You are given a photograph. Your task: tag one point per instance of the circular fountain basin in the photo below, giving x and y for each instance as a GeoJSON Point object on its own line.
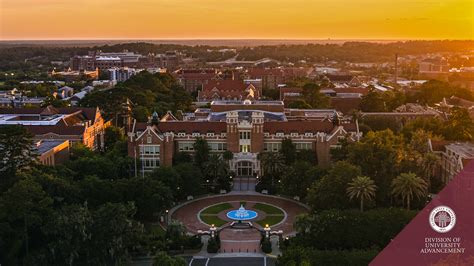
{"type": "Point", "coordinates": [242, 214]}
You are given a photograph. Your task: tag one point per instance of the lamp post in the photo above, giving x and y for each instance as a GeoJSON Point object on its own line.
{"type": "Point", "coordinates": [213, 230]}
{"type": "Point", "coordinates": [166, 217]}
{"type": "Point", "coordinates": [267, 230]}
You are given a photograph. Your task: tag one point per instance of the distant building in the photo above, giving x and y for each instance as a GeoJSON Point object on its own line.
{"type": "Point", "coordinates": [122, 74]}
{"type": "Point", "coordinates": [102, 60]}
{"type": "Point", "coordinates": [228, 89]}
{"type": "Point", "coordinates": [77, 125]}
{"type": "Point", "coordinates": [15, 99]}
{"type": "Point", "coordinates": [272, 77]}
{"type": "Point", "coordinates": [75, 75]}
{"type": "Point", "coordinates": [107, 62]}
{"type": "Point", "coordinates": [194, 79]}
{"type": "Point", "coordinates": [52, 152]}
{"type": "Point", "coordinates": [245, 128]}
{"type": "Point", "coordinates": [453, 157]}
{"type": "Point", "coordinates": [433, 65]}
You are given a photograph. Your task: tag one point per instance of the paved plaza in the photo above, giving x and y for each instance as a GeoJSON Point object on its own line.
{"type": "Point", "coordinates": [188, 214]}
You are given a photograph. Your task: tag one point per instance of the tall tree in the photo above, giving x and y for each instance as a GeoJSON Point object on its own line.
{"type": "Point", "coordinates": [313, 96]}
{"type": "Point", "coordinates": [362, 188]}
{"type": "Point", "coordinates": [288, 150]}
{"type": "Point", "coordinates": [201, 153]}
{"type": "Point", "coordinates": [408, 186]}
{"type": "Point", "coordinates": [216, 168]}
{"type": "Point", "coordinates": [272, 164]}
{"type": "Point", "coordinates": [330, 191]}
{"type": "Point", "coordinates": [16, 153]}
{"type": "Point", "coordinates": [25, 207]}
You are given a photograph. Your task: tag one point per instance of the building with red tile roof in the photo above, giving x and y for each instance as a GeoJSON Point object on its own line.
{"type": "Point", "coordinates": [245, 128]}
{"type": "Point", "coordinates": [228, 89]}
{"type": "Point", "coordinates": [77, 125]}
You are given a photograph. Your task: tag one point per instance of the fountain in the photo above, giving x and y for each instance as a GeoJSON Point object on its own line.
{"type": "Point", "coordinates": [242, 214]}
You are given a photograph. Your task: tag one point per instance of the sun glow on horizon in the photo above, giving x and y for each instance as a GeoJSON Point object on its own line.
{"type": "Point", "coordinates": [244, 19]}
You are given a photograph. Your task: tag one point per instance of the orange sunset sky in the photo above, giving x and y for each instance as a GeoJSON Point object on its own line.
{"type": "Point", "coordinates": [227, 19]}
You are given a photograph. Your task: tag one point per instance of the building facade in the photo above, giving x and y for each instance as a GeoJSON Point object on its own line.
{"type": "Point", "coordinates": [245, 128]}
{"type": "Point", "coordinates": [77, 125]}
{"type": "Point", "coordinates": [453, 156]}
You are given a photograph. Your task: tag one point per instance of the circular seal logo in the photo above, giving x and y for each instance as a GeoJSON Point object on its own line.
{"type": "Point", "coordinates": [442, 219]}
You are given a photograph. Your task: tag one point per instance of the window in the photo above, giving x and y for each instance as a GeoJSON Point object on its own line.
{"type": "Point", "coordinates": [244, 134]}
{"type": "Point", "coordinates": [294, 134]}
{"type": "Point", "coordinates": [181, 134]}
{"type": "Point", "coordinates": [245, 148]}
{"type": "Point", "coordinates": [218, 146]}
{"type": "Point", "coordinates": [303, 145]}
{"type": "Point", "coordinates": [308, 134]}
{"type": "Point", "coordinates": [150, 163]}
{"type": "Point", "coordinates": [196, 134]}
{"type": "Point", "coordinates": [210, 134]}
{"type": "Point", "coordinates": [185, 146]}
{"type": "Point", "coordinates": [148, 139]}
{"type": "Point", "coordinates": [149, 149]}
{"type": "Point", "coordinates": [272, 146]}
{"type": "Point", "coordinates": [280, 134]}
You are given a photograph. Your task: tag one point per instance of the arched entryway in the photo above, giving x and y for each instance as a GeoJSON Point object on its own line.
{"type": "Point", "coordinates": [245, 169]}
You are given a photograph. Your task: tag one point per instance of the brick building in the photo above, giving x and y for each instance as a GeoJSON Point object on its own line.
{"type": "Point", "coordinates": [52, 152]}
{"type": "Point", "coordinates": [194, 79]}
{"type": "Point", "coordinates": [246, 128]}
{"type": "Point", "coordinates": [228, 89]}
{"type": "Point", "coordinates": [272, 77]}
{"type": "Point", "coordinates": [77, 125]}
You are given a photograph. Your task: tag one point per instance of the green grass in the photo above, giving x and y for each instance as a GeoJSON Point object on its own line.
{"type": "Point", "coordinates": [271, 220]}
{"type": "Point", "coordinates": [217, 208]}
{"type": "Point", "coordinates": [213, 219]}
{"type": "Point", "coordinates": [269, 210]}
{"type": "Point", "coordinates": [154, 229]}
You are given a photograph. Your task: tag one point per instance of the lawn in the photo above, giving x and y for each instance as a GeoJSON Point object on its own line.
{"type": "Point", "coordinates": [217, 208]}
{"type": "Point", "coordinates": [154, 229]}
{"type": "Point", "coordinates": [269, 210]}
{"type": "Point", "coordinates": [271, 220]}
{"type": "Point", "coordinates": [213, 219]}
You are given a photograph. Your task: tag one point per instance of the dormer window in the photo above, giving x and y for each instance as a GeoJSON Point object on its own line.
{"type": "Point", "coordinates": [308, 134]}
{"type": "Point", "coordinates": [210, 134]}
{"type": "Point", "coordinates": [181, 134]}
{"type": "Point", "coordinates": [280, 134]}
{"type": "Point", "coordinates": [294, 134]}
{"type": "Point", "coordinates": [196, 134]}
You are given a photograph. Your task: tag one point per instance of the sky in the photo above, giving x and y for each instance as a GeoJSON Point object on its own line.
{"type": "Point", "coordinates": [236, 19]}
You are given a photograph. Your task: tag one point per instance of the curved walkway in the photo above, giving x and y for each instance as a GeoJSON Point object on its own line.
{"type": "Point", "coordinates": [188, 212]}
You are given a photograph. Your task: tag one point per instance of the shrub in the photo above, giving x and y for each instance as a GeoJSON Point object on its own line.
{"type": "Point", "coordinates": [212, 245]}
{"type": "Point", "coordinates": [266, 246]}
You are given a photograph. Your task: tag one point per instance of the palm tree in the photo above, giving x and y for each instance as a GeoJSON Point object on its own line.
{"type": "Point", "coordinates": [215, 167]}
{"type": "Point", "coordinates": [407, 186]}
{"type": "Point", "coordinates": [272, 163]}
{"type": "Point", "coordinates": [429, 163]}
{"type": "Point", "coordinates": [363, 188]}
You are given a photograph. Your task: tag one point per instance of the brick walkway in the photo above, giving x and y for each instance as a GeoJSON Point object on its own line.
{"type": "Point", "coordinates": [240, 240]}
{"type": "Point", "coordinates": [188, 214]}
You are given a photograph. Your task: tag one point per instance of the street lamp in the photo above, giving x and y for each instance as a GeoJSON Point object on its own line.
{"type": "Point", "coordinates": [166, 217]}
{"type": "Point", "coordinates": [267, 230]}
{"type": "Point", "coordinates": [213, 230]}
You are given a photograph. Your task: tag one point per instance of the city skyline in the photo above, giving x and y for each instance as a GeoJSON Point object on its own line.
{"type": "Point", "coordinates": [211, 19]}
